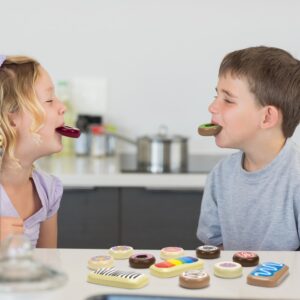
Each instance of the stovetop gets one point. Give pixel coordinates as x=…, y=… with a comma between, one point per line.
x=201, y=163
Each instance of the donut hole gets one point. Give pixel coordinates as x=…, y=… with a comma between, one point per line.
x=142, y=256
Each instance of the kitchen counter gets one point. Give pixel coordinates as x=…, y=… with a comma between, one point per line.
x=74, y=264
x=89, y=172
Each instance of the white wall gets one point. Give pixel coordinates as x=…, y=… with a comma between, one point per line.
x=160, y=57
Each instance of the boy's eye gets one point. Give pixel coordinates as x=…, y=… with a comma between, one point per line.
x=227, y=101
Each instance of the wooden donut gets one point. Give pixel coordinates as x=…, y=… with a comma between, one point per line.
x=141, y=261
x=194, y=279
x=209, y=129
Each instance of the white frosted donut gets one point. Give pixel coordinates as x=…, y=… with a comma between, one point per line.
x=100, y=261
x=228, y=269
x=121, y=252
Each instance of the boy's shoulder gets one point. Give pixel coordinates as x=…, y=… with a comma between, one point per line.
x=294, y=156
x=228, y=162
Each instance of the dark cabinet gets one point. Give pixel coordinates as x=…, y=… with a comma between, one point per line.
x=139, y=217
x=89, y=218
x=153, y=219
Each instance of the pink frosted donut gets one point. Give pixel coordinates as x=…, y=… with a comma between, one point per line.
x=171, y=252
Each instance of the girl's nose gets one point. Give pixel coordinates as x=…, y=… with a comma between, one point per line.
x=62, y=108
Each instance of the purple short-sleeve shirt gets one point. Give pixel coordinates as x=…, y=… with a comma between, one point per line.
x=49, y=189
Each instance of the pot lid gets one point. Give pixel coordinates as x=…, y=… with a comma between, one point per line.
x=157, y=138
x=162, y=136
x=179, y=138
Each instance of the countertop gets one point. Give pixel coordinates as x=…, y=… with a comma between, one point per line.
x=74, y=263
x=89, y=172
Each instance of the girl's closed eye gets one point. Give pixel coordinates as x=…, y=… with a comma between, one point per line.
x=50, y=99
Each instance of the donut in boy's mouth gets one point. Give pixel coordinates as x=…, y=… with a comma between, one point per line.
x=209, y=129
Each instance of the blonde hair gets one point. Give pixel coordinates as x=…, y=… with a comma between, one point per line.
x=18, y=75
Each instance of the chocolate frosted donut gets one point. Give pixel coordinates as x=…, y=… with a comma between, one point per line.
x=209, y=129
x=194, y=279
x=208, y=252
x=141, y=261
x=246, y=258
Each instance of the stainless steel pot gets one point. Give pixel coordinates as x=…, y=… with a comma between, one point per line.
x=161, y=153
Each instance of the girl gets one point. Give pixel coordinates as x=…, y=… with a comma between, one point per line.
x=30, y=113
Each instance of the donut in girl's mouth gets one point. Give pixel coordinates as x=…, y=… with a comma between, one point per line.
x=68, y=131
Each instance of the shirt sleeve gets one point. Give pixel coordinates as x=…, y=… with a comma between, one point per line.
x=55, y=197
x=209, y=229
x=297, y=213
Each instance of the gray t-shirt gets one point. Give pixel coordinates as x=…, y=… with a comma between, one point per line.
x=49, y=189
x=253, y=210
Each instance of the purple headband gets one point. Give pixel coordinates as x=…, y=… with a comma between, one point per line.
x=2, y=59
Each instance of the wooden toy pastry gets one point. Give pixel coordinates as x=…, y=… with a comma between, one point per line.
x=171, y=252
x=141, y=261
x=121, y=252
x=268, y=274
x=118, y=278
x=246, y=258
x=208, y=252
x=209, y=129
x=175, y=266
x=100, y=261
x=228, y=269
x=68, y=131
x=194, y=279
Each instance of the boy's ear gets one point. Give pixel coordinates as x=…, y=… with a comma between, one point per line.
x=271, y=117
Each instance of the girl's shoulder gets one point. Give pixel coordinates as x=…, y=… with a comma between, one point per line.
x=47, y=185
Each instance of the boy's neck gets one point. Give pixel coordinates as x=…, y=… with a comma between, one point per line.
x=261, y=156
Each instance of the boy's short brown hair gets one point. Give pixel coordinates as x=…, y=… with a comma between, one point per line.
x=274, y=78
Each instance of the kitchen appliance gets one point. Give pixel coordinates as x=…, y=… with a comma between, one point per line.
x=160, y=153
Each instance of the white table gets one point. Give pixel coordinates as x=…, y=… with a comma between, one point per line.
x=74, y=263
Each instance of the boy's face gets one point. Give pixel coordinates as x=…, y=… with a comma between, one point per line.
x=236, y=110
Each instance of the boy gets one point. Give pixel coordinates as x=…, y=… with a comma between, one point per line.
x=252, y=198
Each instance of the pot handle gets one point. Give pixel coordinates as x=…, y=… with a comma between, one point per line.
x=122, y=138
